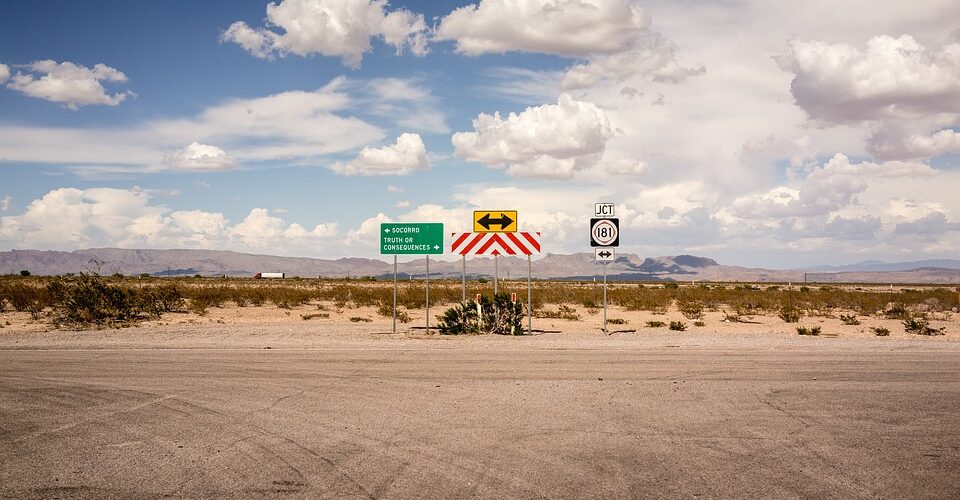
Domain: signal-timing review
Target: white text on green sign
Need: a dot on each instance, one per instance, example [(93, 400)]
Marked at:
[(411, 238)]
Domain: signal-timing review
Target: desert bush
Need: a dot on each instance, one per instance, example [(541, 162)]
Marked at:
[(896, 310), (88, 299), (880, 331), (812, 331), (678, 326), (563, 312), (656, 324), (25, 297), (386, 310), (921, 326), (849, 319), (360, 319), (314, 315), (617, 321), (500, 316), (691, 310), (789, 314), (699, 323)]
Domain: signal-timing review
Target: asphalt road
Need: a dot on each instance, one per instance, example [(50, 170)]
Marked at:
[(458, 423)]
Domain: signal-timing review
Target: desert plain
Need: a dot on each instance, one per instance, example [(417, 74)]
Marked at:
[(321, 399)]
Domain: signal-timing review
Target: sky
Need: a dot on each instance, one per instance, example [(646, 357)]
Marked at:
[(757, 133)]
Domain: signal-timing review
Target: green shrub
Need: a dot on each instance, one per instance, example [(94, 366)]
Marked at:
[(691, 310), (678, 326), (789, 314), (386, 309), (314, 315), (89, 300), (656, 324), (360, 319), (617, 321), (849, 319), (562, 312), (500, 316), (881, 331), (812, 331), (699, 323), (920, 326)]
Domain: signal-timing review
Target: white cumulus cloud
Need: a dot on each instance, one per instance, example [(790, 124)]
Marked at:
[(198, 157), (71, 218), (548, 141), (405, 155), (825, 189), (4, 73), (336, 28), (892, 78), (71, 84), (613, 35)]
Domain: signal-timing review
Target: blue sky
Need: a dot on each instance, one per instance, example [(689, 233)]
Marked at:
[(720, 129)]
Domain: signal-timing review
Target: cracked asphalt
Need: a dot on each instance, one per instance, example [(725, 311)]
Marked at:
[(463, 422)]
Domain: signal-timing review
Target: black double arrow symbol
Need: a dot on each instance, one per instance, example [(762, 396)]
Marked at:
[(503, 221), (604, 254)]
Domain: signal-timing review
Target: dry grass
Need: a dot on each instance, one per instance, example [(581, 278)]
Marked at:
[(32, 294)]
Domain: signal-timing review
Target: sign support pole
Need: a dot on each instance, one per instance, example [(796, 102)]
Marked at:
[(529, 301), (394, 293), (496, 274), (463, 287), (428, 294), (604, 297)]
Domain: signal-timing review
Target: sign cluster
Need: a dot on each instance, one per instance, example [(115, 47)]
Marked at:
[(604, 232)]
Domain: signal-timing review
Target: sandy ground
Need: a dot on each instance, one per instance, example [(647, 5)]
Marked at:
[(257, 402), (270, 326)]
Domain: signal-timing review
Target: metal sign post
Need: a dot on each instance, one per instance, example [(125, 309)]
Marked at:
[(529, 301), (394, 294), (604, 297), (428, 294), (463, 287), (496, 274)]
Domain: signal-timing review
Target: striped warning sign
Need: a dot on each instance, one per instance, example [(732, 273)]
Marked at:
[(519, 243)]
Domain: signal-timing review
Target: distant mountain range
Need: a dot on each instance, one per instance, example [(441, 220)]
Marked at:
[(550, 266)]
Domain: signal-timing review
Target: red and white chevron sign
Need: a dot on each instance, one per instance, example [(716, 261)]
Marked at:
[(519, 243)]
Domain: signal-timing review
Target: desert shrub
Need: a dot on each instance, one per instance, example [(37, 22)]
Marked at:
[(812, 331), (699, 323), (789, 314), (360, 319), (386, 310), (731, 318), (617, 321), (562, 312), (678, 326), (896, 310), (656, 324), (24, 273), (881, 331), (25, 298), (849, 319), (671, 286), (500, 316), (691, 310), (314, 315), (921, 326), (89, 300)]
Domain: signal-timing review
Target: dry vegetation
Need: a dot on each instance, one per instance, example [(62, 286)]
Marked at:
[(106, 301)]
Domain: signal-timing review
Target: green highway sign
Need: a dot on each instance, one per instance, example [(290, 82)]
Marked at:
[(411, 238)]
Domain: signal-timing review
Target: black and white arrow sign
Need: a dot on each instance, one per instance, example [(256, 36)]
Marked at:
[(606, 254)]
